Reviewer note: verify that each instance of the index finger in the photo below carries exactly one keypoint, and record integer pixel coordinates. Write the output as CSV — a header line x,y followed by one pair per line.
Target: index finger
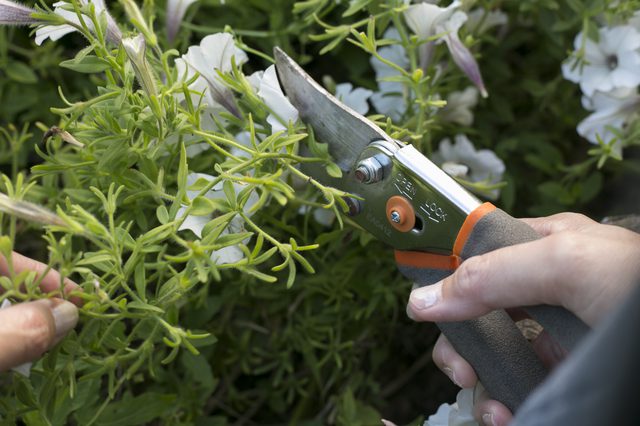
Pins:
x,y
50,277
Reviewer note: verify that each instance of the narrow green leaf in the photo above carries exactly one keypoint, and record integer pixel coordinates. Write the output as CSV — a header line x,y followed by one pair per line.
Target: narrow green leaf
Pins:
x,y
88,65
140,280
21,73
355,6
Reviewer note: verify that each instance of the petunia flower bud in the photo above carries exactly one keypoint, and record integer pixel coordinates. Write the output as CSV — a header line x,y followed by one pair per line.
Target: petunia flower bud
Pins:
x,y
175,14
136,49
29,211
15,14
114,35
461,54
427,20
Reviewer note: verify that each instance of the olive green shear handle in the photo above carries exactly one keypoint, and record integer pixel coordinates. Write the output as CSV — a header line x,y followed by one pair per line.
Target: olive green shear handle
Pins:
x,y
503,359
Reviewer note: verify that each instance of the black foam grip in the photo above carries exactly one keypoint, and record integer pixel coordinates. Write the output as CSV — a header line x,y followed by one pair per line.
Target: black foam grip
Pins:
x,y
502,358
504,361
496,230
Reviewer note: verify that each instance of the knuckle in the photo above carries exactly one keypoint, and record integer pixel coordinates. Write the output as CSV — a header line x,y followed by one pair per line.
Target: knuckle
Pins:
x,y
568,257
570,220
468,279
562,222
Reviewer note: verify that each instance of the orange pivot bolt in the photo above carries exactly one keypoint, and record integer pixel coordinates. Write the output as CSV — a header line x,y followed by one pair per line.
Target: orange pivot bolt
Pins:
x,y
400,213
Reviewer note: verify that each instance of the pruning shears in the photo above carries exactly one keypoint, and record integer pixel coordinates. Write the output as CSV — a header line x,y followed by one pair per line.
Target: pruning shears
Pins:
x,y
433,224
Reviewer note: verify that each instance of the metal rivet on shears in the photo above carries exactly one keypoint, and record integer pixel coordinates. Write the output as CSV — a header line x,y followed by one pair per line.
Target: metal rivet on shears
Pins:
x,y
354,206
369,170
400,213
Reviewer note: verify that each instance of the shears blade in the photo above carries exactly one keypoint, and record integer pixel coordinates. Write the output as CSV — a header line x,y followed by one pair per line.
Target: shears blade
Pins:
x,y
345,131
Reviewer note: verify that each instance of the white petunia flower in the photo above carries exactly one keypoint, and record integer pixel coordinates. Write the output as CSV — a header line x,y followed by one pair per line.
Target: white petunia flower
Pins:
x,y
229,254
24,369
176,10
213,55
483,165
440,417
355,99
324,217
243,138
461,413
55,32
255,79
611,63
458,414
390,99
455,169
610,110
427,20
282,112
15,14
459,105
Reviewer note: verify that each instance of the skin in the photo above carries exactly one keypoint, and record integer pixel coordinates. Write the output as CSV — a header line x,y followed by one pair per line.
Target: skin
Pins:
x,y
29,329
589,269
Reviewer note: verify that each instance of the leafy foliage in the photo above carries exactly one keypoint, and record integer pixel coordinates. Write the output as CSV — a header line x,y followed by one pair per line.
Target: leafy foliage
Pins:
x,y
308,326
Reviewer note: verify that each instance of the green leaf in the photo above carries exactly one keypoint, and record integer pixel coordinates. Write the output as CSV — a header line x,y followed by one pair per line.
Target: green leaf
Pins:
x,y
131,411
230,193
355,6
199,370
21,73
577,6
144,307
183,170
333,170
591,187
24,391
6,246
557,192
89,64
140,280
233,239
202,206
292,272
260,275
91,258
162,214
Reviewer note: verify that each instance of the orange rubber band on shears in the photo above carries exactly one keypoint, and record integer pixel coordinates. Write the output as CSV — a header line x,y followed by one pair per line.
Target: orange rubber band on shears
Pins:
x,y
424,260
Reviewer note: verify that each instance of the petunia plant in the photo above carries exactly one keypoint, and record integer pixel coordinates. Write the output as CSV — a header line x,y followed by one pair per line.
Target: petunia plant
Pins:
x,y
154,159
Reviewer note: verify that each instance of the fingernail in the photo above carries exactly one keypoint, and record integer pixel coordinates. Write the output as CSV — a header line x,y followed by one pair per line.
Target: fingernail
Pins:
x,y
65,317
452,376
487,419
425,297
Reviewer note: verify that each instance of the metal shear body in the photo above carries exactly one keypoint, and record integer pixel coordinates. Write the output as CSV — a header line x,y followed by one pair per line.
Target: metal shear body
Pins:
x,y
433,223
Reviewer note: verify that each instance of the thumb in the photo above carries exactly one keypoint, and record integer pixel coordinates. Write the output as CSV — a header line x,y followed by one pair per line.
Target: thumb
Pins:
x,y
521,275
29,329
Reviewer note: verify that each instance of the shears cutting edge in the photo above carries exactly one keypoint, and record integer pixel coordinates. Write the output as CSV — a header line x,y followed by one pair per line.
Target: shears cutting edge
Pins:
x,y
433,224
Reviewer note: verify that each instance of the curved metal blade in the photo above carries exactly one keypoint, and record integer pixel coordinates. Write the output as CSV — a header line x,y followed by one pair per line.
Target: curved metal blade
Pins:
x,y
345,131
